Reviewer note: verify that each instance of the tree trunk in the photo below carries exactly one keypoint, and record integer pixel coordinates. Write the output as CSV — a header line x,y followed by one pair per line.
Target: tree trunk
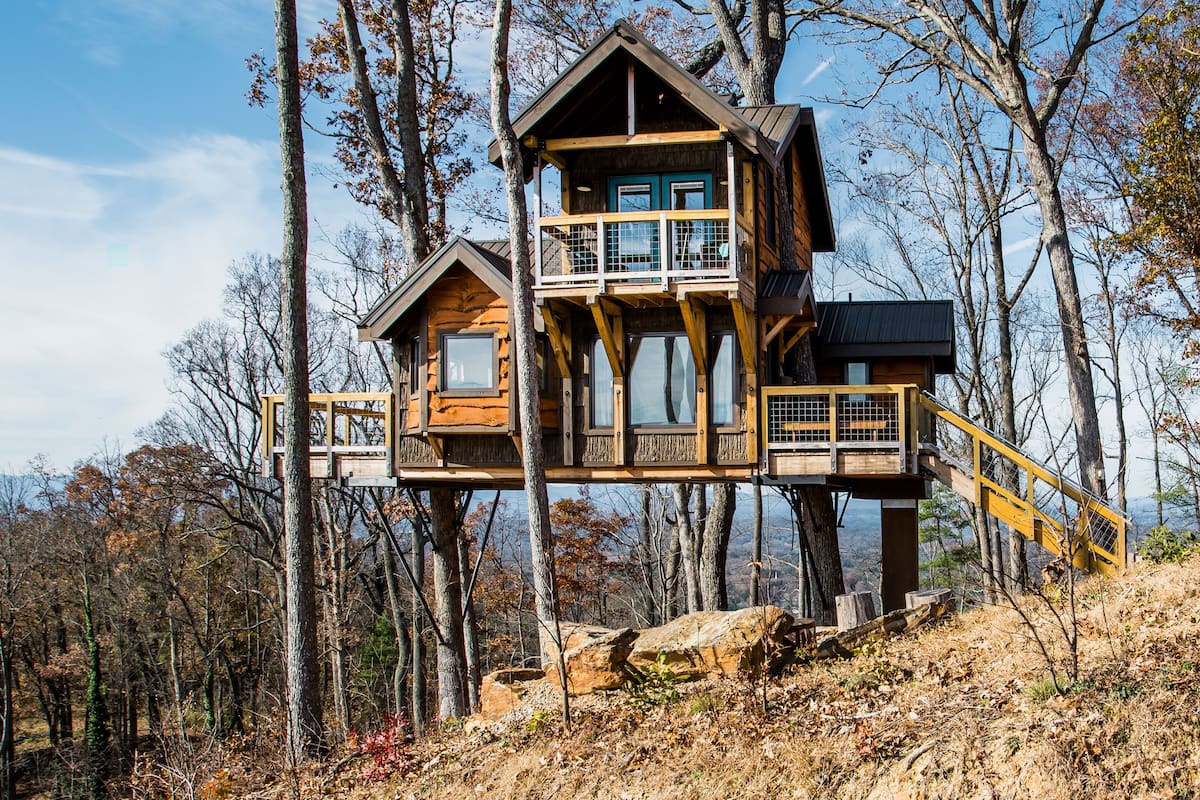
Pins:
x,y
756,549
1070,307
470,627
451,654
306,728
8,717
715,544
399,623
818,524
689,548
96,730
541,543
419,717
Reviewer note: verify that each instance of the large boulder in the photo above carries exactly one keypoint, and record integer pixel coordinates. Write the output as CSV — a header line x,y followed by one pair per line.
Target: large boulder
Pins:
x,y
501,692
716,643
595,659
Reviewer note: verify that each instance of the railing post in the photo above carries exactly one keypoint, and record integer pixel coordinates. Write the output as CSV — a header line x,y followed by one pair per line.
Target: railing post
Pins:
x,y
902,425
731,201
665,250
833,428
329,428
268,436
601,252
537,220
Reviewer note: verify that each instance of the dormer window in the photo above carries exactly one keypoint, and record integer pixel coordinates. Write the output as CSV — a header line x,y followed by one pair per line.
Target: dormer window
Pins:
x,y
468,362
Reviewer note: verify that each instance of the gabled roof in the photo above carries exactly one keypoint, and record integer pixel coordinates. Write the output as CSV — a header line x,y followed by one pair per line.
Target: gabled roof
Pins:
x,y
888,328
487,260
623,37
785,291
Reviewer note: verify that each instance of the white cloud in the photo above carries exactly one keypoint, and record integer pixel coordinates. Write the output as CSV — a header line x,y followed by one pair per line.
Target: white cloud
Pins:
x,y
817,70
1021,246
104,267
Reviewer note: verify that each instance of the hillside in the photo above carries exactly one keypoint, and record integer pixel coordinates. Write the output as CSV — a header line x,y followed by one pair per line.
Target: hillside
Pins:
x,y
961,711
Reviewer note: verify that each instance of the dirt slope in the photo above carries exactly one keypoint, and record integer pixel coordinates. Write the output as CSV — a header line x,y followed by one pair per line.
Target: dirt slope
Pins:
x,y
962,711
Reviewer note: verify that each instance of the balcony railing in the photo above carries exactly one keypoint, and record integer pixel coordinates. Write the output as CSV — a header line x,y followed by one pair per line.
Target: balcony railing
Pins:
x,y
865,429
342,426
649,246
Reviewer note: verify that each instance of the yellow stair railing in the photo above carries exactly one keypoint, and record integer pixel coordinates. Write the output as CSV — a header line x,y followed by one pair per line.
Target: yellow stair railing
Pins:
x,y
1041,504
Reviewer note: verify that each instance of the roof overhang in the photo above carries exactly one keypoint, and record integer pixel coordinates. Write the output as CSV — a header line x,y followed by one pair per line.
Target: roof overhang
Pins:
x,y
378,324
623,37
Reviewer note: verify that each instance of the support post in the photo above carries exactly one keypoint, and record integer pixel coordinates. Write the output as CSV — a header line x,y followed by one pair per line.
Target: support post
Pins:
x,y
898,524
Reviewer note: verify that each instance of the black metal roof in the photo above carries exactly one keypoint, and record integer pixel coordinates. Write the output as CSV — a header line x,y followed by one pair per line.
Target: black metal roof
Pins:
x,y
887,328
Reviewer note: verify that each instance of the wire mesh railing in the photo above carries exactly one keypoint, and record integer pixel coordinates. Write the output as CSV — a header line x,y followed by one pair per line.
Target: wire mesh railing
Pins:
x,y
803,417
340,424
1052,509
641,247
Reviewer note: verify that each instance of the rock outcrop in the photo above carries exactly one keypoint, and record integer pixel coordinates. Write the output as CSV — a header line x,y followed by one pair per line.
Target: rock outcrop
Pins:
x,y
717,643
501,691
595,659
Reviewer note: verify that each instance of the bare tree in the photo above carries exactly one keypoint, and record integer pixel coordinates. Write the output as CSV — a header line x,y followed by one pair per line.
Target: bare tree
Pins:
x,y
541,544
1021,62
306,729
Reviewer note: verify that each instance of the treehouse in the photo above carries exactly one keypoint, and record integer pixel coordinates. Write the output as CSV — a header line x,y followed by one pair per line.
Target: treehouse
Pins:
x,y
678,333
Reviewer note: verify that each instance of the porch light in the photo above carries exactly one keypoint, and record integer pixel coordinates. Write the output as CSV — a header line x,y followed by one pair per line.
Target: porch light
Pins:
x,y
583,188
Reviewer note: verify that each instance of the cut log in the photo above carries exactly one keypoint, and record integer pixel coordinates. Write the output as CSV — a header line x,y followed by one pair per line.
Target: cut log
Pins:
x,y
845,643
924,597
854,609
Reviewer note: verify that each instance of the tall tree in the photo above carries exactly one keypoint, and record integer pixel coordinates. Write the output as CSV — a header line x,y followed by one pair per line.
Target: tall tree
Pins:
x,y
541,542
306,729
1021,58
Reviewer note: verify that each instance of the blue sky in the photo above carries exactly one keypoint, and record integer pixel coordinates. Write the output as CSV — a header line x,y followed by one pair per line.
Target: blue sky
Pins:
x,y
132,172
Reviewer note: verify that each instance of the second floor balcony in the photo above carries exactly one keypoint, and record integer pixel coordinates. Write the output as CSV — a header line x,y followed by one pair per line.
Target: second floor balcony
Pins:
x,y
643,247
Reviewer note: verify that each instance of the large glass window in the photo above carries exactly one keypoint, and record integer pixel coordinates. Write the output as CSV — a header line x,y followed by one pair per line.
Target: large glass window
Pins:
x,y
468,362
662,380
722,382
602,387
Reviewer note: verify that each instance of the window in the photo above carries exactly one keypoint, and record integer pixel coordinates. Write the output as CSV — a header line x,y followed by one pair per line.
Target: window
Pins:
x,y
634,246
857,373
601,387
662,380
721,390
416,364
468,362
770,212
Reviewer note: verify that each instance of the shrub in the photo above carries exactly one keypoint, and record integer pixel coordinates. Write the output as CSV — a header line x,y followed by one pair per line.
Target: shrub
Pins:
x,y
387,752
654,686
1165,546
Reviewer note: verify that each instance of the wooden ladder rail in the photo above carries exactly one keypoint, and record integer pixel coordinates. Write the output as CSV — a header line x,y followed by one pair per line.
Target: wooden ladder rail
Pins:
x,y
1022,513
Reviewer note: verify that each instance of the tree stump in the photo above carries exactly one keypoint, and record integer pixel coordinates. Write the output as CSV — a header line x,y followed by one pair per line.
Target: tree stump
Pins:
x,y
854,609
927,597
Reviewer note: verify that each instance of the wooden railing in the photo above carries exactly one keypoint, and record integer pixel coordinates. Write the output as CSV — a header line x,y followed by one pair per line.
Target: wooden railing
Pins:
x,y
832,418
1032,498
659,246
343,424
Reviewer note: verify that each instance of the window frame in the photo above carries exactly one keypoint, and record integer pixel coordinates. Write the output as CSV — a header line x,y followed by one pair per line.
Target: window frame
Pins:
x,y
596,354
444,336
631,353
735,404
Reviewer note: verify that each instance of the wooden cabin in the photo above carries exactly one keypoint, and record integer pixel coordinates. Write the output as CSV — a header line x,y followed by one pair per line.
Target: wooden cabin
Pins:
x,y
679,338
676,317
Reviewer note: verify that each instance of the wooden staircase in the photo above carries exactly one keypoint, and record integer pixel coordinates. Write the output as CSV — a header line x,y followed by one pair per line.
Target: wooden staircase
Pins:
x,y
1032,499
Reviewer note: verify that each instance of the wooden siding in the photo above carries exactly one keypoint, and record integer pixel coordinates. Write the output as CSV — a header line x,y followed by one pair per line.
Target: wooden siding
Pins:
x,y
800,221
894,371
593,168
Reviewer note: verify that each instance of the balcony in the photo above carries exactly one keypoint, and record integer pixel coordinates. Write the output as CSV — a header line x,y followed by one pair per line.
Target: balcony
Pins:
x,y
638,248
350,434
839,430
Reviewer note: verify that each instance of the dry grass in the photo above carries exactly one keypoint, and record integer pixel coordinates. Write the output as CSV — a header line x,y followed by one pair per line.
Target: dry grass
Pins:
x,y
961,711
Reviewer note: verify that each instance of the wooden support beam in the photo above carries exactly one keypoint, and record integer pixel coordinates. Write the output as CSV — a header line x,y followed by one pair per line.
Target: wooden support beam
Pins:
x,y
559,344
777,328
696,326
612,345
794,339
619,412
744,324
636,140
